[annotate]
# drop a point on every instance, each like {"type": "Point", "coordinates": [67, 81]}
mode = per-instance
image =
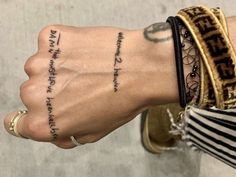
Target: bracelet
{"type": "Point", "coordinates": [191, 61]}
{"type": "Point", "coordinates": [212, 129]}
{"type": "Point", "coordinates": [179, 61]}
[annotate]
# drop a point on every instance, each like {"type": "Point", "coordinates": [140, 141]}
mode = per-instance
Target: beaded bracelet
{"type": "Point", "coordinates": [191, 61]}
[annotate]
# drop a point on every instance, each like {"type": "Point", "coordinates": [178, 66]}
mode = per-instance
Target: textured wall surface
{"type": "Point", "coordinates": [120, 154]}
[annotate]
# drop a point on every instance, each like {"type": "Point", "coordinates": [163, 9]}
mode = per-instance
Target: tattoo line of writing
{"type": "Point", "coordinates": [152, 32]}
{"type": "Point", "coordinates": [117, 61]}
{"type": "Point", "coordinates": [54, 50]}
{"type": "Point", "coordinates": [51, 117]}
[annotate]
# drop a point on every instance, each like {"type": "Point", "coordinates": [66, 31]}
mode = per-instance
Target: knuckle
{"type": "Point", "coordinates": [37, 130]}
{"type": "Point", "coordinates": [6, 122]}
{"type": "Point", "coordinates": [27, 88]}
{"type": "Point", "coordinates": [30, 93]}
{"type": "Point", "coordinates": [45, 32]}
{"type": "Point", "coordinates": [32, 65]}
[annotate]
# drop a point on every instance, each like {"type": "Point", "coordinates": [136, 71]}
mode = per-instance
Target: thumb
{"type": "Point", "coordinates": [15, 122]}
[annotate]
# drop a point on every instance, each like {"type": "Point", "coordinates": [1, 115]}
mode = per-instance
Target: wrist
{"type": "Point", "coordinates": [148, 69]}
{"type": "Point", "coordinates": [153, 63]}
{"type": "Point", "coordinates": [160, 79]}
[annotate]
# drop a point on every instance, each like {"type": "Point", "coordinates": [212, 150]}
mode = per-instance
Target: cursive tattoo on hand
{"type": "Point", "coordinates": [54, 50]}
{"type": "Point", "coordinates": [152, 32]}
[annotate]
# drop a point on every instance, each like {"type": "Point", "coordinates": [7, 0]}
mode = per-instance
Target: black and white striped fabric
{"type": "Point", "coordinates": [213, 131]}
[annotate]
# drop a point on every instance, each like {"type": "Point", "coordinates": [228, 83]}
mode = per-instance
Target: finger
{"type": "Point", "coordinates": [29, 126]}
{"type": "Point", "coordinates": [45, 34]}
{"type": "Point", "coordinates": [31, 92]}
{"type": "Point", "coordinates": [36, 64]}
{"type": "Point", "coordinates": [67, 143]}
{"type": "Point", "coordinates": [19, 125]}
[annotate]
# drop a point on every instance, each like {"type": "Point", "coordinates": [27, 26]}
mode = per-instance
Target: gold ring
{"type": "Point", "coordinates": [14, 121]}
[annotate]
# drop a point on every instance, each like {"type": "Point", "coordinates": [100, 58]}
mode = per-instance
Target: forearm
{"type": "Point", "coordinates": [96, 80]}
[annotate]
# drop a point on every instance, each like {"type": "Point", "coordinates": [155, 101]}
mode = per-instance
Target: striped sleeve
{"type": "Point", "coordinates": [214, 132]}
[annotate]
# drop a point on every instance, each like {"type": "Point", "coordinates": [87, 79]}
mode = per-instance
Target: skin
{"type": "Point", "coordinates": [84, 102]}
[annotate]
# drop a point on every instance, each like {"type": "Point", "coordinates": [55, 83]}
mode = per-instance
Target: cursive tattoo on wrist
{"type": "Point", "coordinates": [54, 51]}
{"type": "Point", "coordinates": [117, 61]}
{"type": "Point", "coordinates": [154, 31]}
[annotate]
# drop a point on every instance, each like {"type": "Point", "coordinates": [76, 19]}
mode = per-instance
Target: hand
{"type": "Point", "coordinates": [85, 82]}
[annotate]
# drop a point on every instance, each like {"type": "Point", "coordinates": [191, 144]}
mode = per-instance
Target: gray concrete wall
{"type": "Point", "coordinates": [120, 154]}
